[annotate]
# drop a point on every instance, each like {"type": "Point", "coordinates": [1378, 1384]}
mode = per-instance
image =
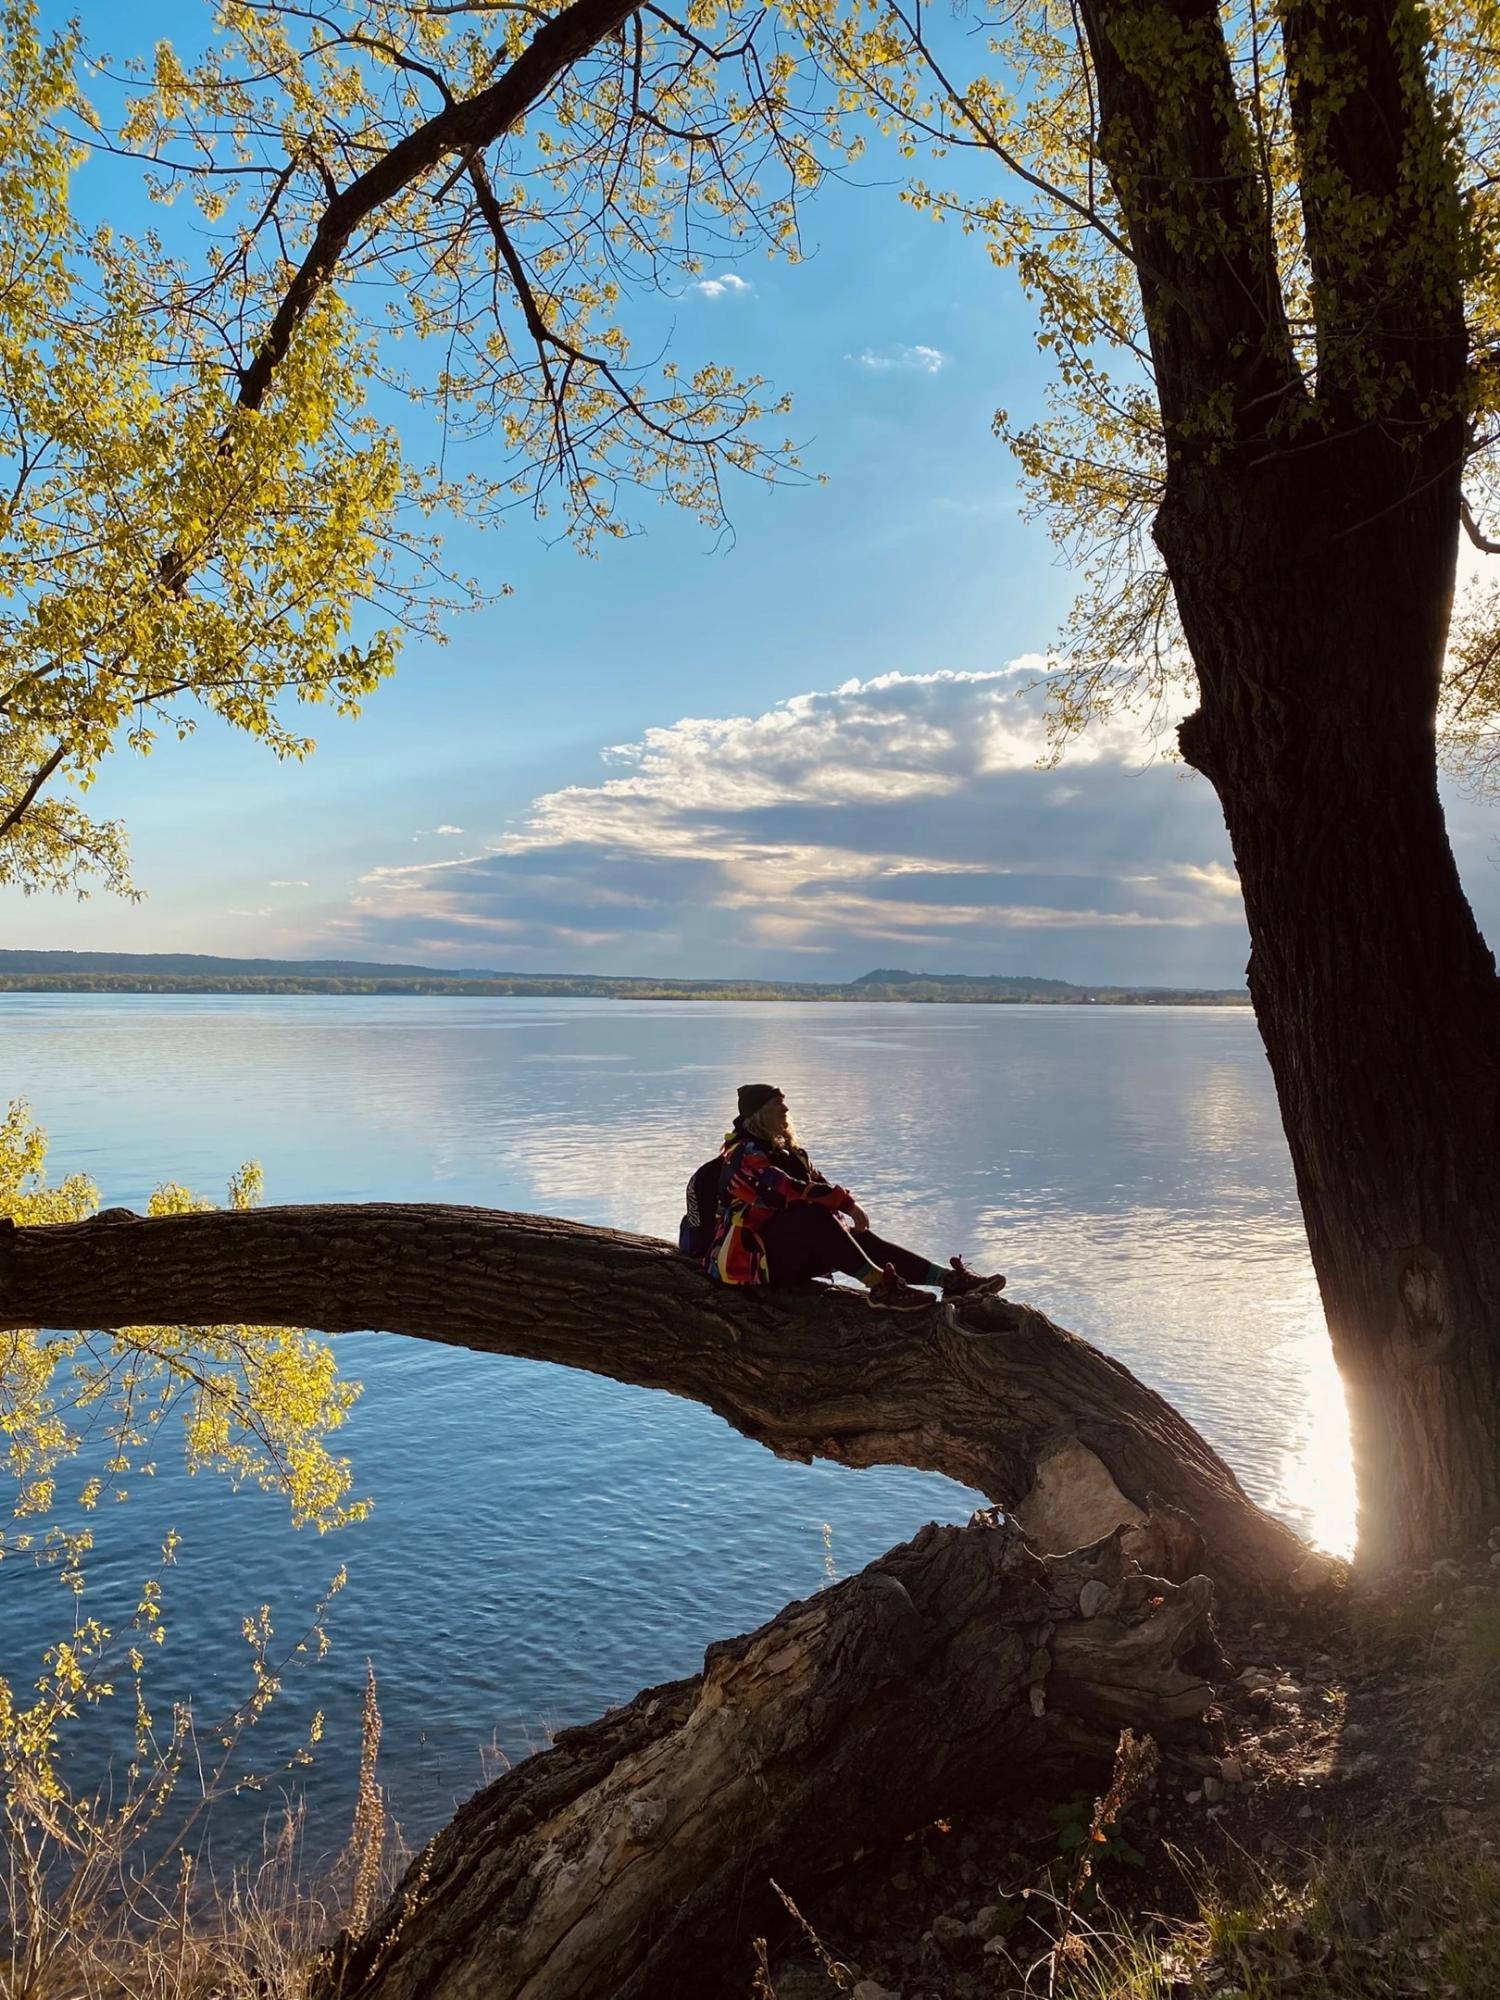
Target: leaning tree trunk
{"type": "Point", "coordinates": [1309, 525]}
{"type": "Point", "coordinates": [998, 1397]}
{"type": "Point", "coordinates": [634, 1859]}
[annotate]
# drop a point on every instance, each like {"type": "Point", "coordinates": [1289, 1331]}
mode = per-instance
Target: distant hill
{"type": "Point", "coordinates": [993, 982]}
{"type": "Point", "coordinates": [196, 972]}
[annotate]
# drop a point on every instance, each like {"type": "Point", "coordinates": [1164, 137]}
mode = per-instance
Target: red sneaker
{"type": "Point", "coordinates": [892, 1294]}
{"type": "Point", "coordinates": [963, 1283]}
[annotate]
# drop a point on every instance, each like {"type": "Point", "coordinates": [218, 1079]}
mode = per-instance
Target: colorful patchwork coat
{"type": "Point", "coordinates": [757, 1182]}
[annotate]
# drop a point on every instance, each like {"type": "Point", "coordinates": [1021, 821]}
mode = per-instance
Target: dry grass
{"type": "Point", "coordinates": [1382, 1921]}
{"type": "Point", "coordinates": [169, 1931]}
{"type": "Point", "coordinates": [1394, 1920]}
{"type": "Point", "coordinates": [253, 1937]}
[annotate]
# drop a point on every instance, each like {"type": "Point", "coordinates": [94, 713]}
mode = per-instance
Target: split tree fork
{"type": "Point", "coordinates": [776, 1220]}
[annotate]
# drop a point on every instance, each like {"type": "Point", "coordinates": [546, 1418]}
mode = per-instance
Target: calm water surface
{"type": "Point", "coordinates": [543, 1543]}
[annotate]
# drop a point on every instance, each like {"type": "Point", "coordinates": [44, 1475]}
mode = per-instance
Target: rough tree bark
{"type": "Point", "coordinates": [633, 1860]}
{"type": "Point", "coordinates": [1000, 1398]}
{"type": "Point", "coordinates": [1310, 527]}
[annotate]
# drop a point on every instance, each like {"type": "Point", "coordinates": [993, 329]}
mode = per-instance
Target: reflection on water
{"type": "Point", "coordinates": [544, 1543]}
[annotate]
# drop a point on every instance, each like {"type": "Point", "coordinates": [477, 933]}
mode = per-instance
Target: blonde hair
{"type": "Point", "coordinates": [759, 1125]}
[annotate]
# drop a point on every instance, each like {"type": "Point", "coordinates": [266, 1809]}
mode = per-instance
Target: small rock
{"type": "Point", "coordinates": [993, 1921]}
{"type": "Point", "coordinates": [1365, 1765]}
{"type": "Point", "coordinates": [1277, 1740]}
{"type": "Point", "coordinates": [868, 1989]}
{"type": "Point", "coordinates": [1315, 1573]}
{"type": "Point", "coordinates": [1192, 1797]}
{"type": "Point", "coordinates": [949, 1931]}
{"type": "Point", "coordinates": [1232, 1770]}
{"type": "Point", "coordinates": [1304, 1812]}
{"type": "Point", "coordinates": [1362, 1919]}
{"type": "Point", "coordinates": [1213, 1790]}
{"type": "Point", "coordinates": [1091, 1598]}
{"type": "Point", "coordinates": [1458, 1819]}
{"type": "Point", "coordinates": [1305, 1944]}
{"type": "Point", "coordinates": [1447, 1571]}
{"type": "Point", "coordinates": [1495, 1560]}
{"type": "Point", "coordinates": [799, 1981]}
{"type": "Point", "coordinates": [902, 1883]}
{"type": "Point", "coordinates": [1038, 1698]}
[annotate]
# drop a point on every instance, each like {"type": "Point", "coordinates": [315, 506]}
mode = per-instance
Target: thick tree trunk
{"type": "Point", "coordinates": [1000, 1398]}
{"type": "Point", "coordinates": [1309, 527]}
{"type": "Point", "coordinates": [633, 1859]}
{"type": "Point", "coordinates": [1375, 992]}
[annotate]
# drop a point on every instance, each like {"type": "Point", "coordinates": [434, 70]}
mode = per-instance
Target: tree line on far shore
{"type": "Point", "coordinates": [981, 992]}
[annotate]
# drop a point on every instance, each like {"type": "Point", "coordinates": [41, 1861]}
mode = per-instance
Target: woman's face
{"type": "Point", "coordinates": [778, 1119]}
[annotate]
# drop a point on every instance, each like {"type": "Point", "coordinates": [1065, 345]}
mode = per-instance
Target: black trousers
{"type": "Point", "coordinates": [803, 1241]}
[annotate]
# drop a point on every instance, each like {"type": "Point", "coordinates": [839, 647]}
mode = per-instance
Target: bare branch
{"type": "Point", "coordinates": [19, 809]}
{"type": "Point", "coordinates": [1472, 529]}
{"type": "Point", "coordinates": [461, 128]}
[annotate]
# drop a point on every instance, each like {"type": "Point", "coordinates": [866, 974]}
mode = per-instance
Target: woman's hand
{"type": "Point", "coordinates": [858, 1217]}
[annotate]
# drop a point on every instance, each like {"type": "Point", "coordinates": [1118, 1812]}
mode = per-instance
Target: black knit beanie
{"type": "Point", "coordinates": [754, 1095]}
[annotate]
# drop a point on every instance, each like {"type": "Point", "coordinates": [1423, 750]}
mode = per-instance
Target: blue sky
{"type": "Point", "coordinates": [834, 763]}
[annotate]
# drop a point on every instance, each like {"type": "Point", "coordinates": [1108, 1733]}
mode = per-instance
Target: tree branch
{"type": "Point", "coordinates": [633, 1859]}
{"type": "Point", "coordinates": [1473, 530]}
{"type": "Point", "coordinates": [19, 810]}
{"type": "Point", "coordinates": [1383, 218]}
{"type": "Point", "coordinates": [458, 128]}
{"type": "Point", "coordinates": [1182, 164]}
{"type": "Point", "coordinates": [999, 1398]}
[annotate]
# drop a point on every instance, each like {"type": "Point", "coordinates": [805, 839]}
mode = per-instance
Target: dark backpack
{"type": "Point", "coordinates": [695, 1233]}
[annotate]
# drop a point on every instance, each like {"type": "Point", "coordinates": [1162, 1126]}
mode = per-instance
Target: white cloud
{"type": "Point", "coordinates": [900, 811]}
{"type": "Point", "coordinates": [1213, 876]}
{"type": "Point", "coordinates": [727, 282]}
{"type": "Point", "coordinates": [435, 832]}
{"type": "Point", "coordinates": [289, 885]}
{"type": "Point", "coordinates": [917, 359]}
{"type": "Point", "coordinates": [264, 911]}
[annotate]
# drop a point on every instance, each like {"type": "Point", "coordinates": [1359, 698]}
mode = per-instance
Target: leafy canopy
{"type": "Point", "coordinates": [1001, 115]}
{"type": "Point", "coordinates": [82, 1416]}
{"type": "Point", "coordinates": [363, 211]}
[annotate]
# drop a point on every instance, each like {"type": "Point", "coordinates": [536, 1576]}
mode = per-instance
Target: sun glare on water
{"type": "Point", "coordinates": [1316, 1487]}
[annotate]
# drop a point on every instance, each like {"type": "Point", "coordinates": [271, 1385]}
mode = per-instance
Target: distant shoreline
{"type": "Point", "coordinates": [200, 972]}
{"type": "Point", "coordinates": [561, 989]}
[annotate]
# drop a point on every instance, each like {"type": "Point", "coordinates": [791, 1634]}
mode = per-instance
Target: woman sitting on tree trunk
{"type": "Point", "coordinates": [779, 1222]}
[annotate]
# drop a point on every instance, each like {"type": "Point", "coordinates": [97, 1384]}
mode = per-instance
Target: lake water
{"type": "Point", "coordinates": [544, 1543]}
